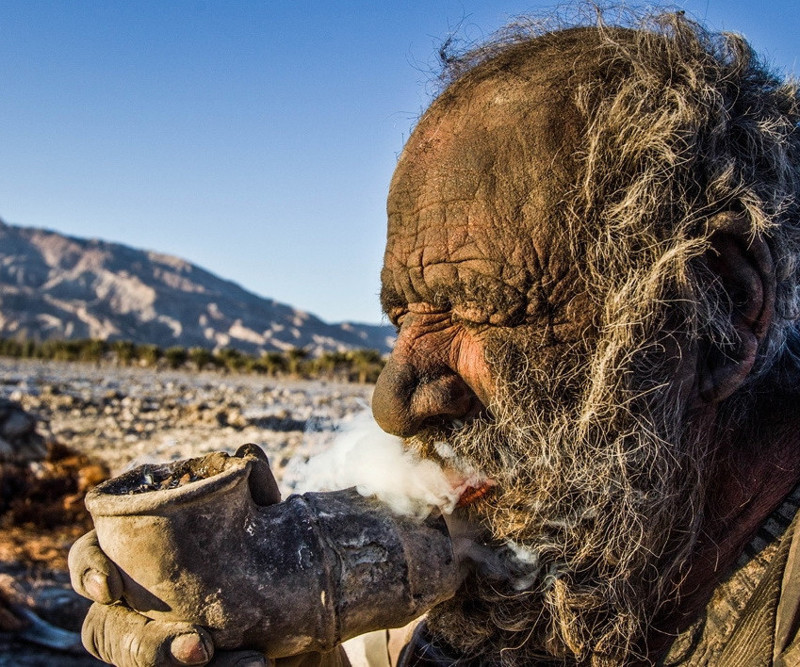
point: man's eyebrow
(390, 299)
(478, 289)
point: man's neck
(755, 469)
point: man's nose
(406, 398)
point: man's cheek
(527, 366)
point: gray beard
(593, 520)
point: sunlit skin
(474, 251)
(476, 254)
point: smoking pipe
(195, 542)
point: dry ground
(119, 417)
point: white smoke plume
(376, 464)
(365, 457)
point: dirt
(100, 421)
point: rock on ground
(127, 416)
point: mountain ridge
(57, 286)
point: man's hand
(114, 633)
(117, 634)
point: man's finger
(92, 574)
(120, 636)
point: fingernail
(189, 649)
(96, 586)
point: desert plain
(119, 417)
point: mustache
(594, 513)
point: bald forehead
(479, 192)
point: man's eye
(469, 317)
(396, 317)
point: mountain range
(59, 287)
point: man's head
(592, 262)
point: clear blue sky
(255, 138)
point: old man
(592, 264)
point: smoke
(376, 464)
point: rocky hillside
(54, 286)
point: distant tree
(68, 350)
(332, 364)
(295, 357)
(44, 350)
(93, 350)
(124, 351)
(148, 355)
(60, 350)
(366, 364)
(29, 349)
(176, 356)
(10, 347)
(324, 364)
(274, 363)
(231, 358)
(201, 357)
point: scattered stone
(112, 419)
(19, 440)
(128, 416)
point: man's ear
(742, 265)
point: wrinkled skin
(498, 327)
(122, 637)
(475, 248)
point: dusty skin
(592, 262)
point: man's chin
(487, 616)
